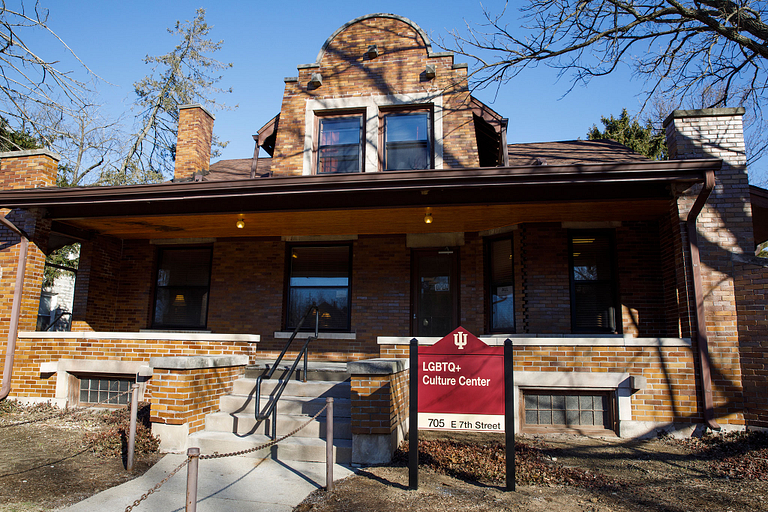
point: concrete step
(243, 424)
(316, 370)
(296, 405)
(294, 448)
(314, 388)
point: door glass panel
(435, 295)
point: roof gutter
(13, 329)
(705, 375)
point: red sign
(461, 384)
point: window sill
(284, 335)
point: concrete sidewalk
(229, 484)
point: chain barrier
(157, 486)
(223, 455)
(68, 411)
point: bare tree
(28, 82)
(682, 48)
(185, 75)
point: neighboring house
(392, 200)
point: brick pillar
(725, 230)
(193, 144)
(22, 170)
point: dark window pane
(594, 304)
(558, 417)
(558, 402)
(545, 402)
(339, 145)
(531, 417)
(406, 140)
(545, 417)
(531, 402)
(585, 402)
(587, 418)
(181, 295)
(571, 417)
(320, 276)
(572, 402)
(502, 286)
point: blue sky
(265, 41)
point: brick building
(391, 199)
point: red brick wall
(472, 296)
(97, 286)
(398, 69)
(725, 230)
(546, 296)
(379, 402)
(641, 281)
(752, 305)
(22, 170)
(30, 352)
(187, 396)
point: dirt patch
(565, 473)
(54, 463)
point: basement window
(568, 410)
(105, 390)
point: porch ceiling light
(240, 223)
(428, 218)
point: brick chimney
(32, 168)
(718, 133)
(193, 145)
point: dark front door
(435, 292)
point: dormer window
(339, 147)
(407, 140)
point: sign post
(509, 412)
(413, 429)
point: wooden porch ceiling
(367, 221)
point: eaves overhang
(370, 190)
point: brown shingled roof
(571, 152)
(236, 169)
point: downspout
(16, 308)
(705, 375)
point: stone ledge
(197, 362)
(30, 152)
(703, 112)
(378, 366)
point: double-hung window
(319, 275)
(407, 140)
(340, 144)
(501, 284)
(593, 282)
(181, 288)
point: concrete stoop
(234, 427)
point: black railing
(271, 408)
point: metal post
(132, 432)
(413, 416)
(509, 412)
(329, 444)
(306, 364)
(193, 454)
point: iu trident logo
(460, 339)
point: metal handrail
(272, 406)
(57, 319)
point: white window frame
(371, 105)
